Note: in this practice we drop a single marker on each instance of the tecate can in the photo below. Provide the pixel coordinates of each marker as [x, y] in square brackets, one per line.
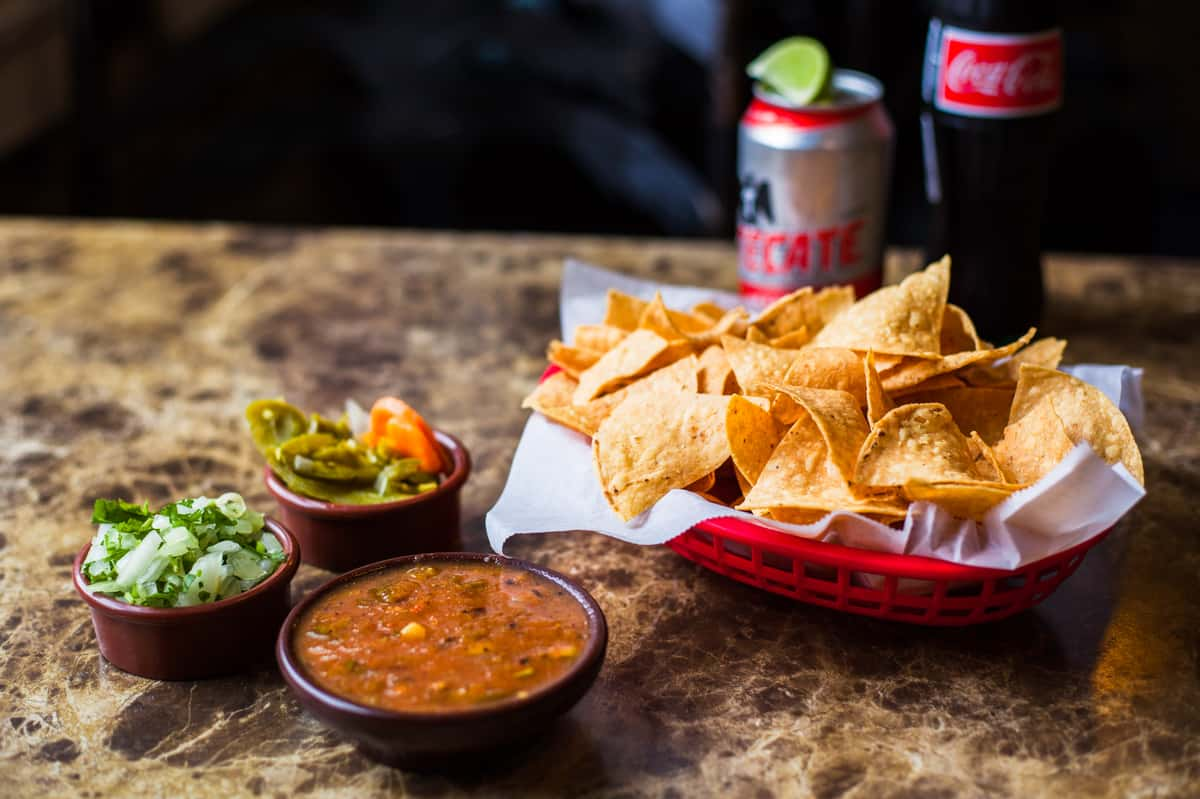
[814, 184]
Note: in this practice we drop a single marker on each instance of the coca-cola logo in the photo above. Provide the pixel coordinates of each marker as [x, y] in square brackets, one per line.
[993, 75]
[1029, 74]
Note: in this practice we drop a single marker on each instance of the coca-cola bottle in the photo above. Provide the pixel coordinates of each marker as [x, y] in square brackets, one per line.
[991, 85]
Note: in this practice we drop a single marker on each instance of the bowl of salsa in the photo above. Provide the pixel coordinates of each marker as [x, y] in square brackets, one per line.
[424, 658]
[362, 488]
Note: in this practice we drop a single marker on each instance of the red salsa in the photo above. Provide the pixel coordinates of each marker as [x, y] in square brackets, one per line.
[441, 635]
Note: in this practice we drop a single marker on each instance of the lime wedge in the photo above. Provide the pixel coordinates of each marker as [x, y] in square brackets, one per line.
[796, 68]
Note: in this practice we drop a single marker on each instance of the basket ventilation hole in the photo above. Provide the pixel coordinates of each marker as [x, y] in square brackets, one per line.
[876, 582]
[1010, 583]
[911, 587]
[815, 571]
[737, 549]
[778, 562]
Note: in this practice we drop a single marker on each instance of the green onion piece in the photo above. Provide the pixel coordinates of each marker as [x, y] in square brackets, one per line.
[185, 553]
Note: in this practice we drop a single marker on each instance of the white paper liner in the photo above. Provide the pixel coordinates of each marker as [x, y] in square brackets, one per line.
[552, 485]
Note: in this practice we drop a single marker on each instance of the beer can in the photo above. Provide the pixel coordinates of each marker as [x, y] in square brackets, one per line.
[814, 184]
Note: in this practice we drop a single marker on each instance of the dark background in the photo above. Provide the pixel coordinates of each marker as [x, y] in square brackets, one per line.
[602, 116]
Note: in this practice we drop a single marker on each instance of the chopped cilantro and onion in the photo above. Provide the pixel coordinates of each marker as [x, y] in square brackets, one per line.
[186, 553]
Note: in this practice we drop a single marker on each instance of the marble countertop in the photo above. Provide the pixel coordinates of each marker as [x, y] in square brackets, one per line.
[129, 351]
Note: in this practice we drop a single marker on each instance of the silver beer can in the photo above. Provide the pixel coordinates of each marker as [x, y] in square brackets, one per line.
[814, 186]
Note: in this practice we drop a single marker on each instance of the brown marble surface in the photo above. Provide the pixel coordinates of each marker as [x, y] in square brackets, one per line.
[129, 350]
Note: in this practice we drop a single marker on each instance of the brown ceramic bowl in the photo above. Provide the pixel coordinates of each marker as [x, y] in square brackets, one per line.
[340, 537]
[425, 739]
[191, 643]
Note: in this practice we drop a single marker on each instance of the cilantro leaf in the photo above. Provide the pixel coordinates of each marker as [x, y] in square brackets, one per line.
[116, 511]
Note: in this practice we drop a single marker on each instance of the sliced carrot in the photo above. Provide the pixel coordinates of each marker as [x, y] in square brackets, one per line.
[405, 438]
[383, 410]
[419, 422]
[390, 414]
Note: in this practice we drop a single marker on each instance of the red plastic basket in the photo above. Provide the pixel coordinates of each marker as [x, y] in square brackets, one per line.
[915, 589]
[912, 589]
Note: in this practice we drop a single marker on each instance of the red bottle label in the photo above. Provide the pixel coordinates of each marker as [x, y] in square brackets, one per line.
[998, 74]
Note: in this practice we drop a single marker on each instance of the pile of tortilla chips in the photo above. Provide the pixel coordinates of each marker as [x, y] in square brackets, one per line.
[821, 403]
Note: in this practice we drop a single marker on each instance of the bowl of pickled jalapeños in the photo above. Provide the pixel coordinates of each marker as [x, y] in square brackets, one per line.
[363, 487]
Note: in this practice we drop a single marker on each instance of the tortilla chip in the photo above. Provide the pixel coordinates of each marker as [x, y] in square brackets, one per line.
[552, 399]
[601, 338]
[968, 499]
[568, 416]
[732, 323]
[983, 410]
[762, 402]
[935, 383]
[880, 511]
[785, 314]
[829, 368]
[800, 479]
[754, 363]
[716, 376]
[709, 310]
[958, 331]
[905, 319]
[838, 417]
[698, 331]
[964, 500]
[804, 308]
[653, 443]
[572, 360]
[885, 363]
[987, 465]
[914, 373]
[1046, 352]
[670, 324]
[553, 391]
[623, 310]
[878, 403]
[756, 336]
[1033, 443]
[704, 485]
[802, 516]
[716, 315]
[655, 317]
[799, 472]
[792, 341]
[918, 442]
[634, 356]
[1087, 415]
[679, 377]
[753, 435]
